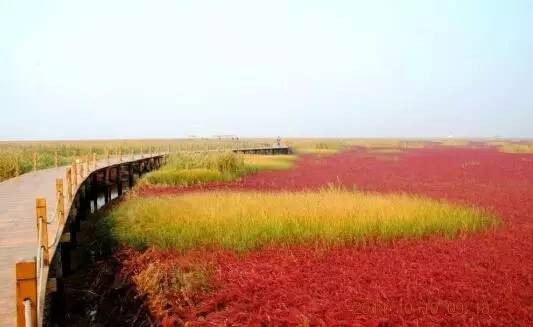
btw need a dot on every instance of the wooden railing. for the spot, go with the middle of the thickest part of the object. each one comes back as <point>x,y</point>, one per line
<point>32,280</point>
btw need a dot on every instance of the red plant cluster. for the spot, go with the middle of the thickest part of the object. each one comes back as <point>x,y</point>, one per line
<point>484,279</point>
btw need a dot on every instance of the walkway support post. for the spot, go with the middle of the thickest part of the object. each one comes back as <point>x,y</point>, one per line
<point>107,193</point>
<point>94,191</point>
<point>130,176</point>
<point>26,275</point>
<point>73,227</point>
<point>119,180</point>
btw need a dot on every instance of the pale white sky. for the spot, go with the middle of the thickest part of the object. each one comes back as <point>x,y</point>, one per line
<point>139,69</point>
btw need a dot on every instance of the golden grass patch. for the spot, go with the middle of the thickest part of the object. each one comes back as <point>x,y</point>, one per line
<point>186,169</point>
<point>268,162</point>
<point>250,220</point>
<point>516,148</point>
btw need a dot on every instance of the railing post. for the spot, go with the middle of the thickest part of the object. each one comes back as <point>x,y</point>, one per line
<point>42,227</point>
<point>130,176</point>
<point>26,276</point>
<point>119,180</point>
<point>80,176</point>
<point>78,172</point>
<point>69,184</point>
<point>60,202</point>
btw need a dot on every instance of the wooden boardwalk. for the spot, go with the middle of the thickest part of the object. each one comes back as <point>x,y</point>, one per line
<point>274,149</point>
<point>18,222</point>
<point>18,229</point>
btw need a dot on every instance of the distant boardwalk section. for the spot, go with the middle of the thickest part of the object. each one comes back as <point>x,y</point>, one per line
<point>275,149</point>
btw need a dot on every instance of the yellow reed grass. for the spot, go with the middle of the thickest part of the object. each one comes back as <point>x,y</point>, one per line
<point>250,220</point>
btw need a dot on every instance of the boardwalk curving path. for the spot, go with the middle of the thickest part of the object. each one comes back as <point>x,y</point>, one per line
<point>18,229</point>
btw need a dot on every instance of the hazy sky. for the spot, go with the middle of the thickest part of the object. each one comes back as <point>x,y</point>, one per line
<point>127,69</point>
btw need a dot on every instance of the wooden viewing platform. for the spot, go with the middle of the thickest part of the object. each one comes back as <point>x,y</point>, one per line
<point>18,221</point>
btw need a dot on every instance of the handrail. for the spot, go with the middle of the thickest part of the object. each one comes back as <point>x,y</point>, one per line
<point>32,276</point>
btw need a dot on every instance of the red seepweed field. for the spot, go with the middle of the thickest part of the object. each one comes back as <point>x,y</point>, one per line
<point>480,279</point>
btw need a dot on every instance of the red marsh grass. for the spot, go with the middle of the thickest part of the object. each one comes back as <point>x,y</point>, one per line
<point>481,279</point>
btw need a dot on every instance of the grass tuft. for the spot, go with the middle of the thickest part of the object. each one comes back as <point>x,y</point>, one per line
<point>172,284</point>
